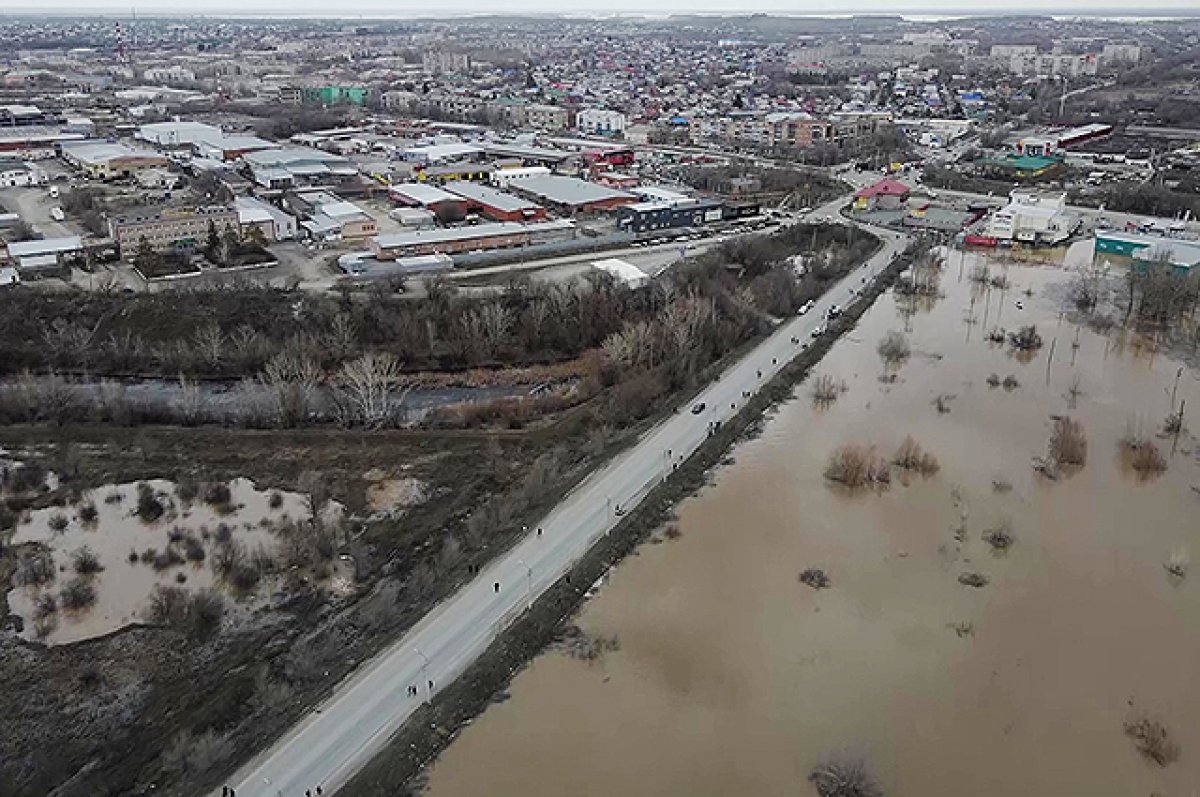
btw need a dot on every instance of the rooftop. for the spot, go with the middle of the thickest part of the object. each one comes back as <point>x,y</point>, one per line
<point>1022,162</point>
<point>422,193</point>
<point>525,151</point>
<point>95,152</point>
<point>291,157</point>
<point>491,197</point>
<point>45,246</point>
<point>402,239</point>
<point>885,187</point>
<point>567,190</point>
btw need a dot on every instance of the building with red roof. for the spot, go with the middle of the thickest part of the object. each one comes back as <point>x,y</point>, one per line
<point>887,194</point>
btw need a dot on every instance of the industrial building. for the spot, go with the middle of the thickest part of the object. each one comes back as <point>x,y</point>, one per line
<point>623,271</point>
<point>434,154</point>
<point>422,195</point>
<point>500,177</point>
<point>288,167</point>
<point>527,154</point>
<point>275,224</point>
<point>1140,251</point>
<point>452,172</point>
<point>645,216</point>
<point>329,217</point>
<point>496,205</point>
<point>169,228</point>
<point>34,258</point>
<point>35,141</point>
<point>1058,141</point>
<point>100,160</point>
<point>570,196</point>
<point>17,173</point>
<point>497,235</point>
<point>1033,218</point>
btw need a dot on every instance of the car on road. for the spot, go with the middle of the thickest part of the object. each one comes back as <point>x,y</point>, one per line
<point>804,308</point>
<point>818,331</point>
<point>698,408</point>
<point>833,312</point>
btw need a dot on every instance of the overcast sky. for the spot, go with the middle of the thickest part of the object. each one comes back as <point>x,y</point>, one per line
<point>409,8</point>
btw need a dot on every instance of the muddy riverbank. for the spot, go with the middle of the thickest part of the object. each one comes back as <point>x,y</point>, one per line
<point>732,676</point>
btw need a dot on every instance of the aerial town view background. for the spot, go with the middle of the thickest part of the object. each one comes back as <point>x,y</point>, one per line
<point>533,405</point>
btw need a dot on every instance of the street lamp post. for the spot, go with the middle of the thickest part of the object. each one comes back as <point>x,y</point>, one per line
<point>529,584</point>
<point>425,675</point>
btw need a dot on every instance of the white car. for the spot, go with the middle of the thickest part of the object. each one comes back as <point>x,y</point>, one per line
<point>804,308</point>
<point>818,331</point>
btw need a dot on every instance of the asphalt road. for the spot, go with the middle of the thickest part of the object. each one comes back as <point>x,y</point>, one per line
<point>33,206</point>
<point>342,735</point>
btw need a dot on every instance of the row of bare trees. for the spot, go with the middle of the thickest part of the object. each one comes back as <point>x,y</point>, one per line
<point>291,391</point>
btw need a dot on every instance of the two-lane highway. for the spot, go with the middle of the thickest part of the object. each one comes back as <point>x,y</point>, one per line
<point>342,735</point>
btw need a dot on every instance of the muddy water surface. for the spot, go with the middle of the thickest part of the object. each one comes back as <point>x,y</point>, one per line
<point>123,588</point>
<point>732,677</point>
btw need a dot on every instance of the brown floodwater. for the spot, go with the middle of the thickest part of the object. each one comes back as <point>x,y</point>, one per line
<point>732,677</point>
<point>124,588</point>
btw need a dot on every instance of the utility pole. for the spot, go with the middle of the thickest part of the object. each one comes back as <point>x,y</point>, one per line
<point>529,586</point>
<point>425,675</point>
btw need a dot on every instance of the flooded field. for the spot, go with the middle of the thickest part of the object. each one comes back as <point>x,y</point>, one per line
<point>985,629</point>
<point>120,542</point>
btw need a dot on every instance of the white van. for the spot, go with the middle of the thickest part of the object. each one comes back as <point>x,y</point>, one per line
<point>57,214</point>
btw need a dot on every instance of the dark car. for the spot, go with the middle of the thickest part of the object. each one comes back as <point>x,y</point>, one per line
<point>698,408</point>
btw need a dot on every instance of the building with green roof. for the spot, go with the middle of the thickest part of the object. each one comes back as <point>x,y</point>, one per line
<point>1021,167</point>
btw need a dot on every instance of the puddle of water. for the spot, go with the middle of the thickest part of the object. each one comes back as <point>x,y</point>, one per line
<point>732,677</point>
<point>117,535</point>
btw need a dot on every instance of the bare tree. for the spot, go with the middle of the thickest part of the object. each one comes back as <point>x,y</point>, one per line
<point>191,401</point>
<point>210,343</point>
<point>634,345</point>
<point>367,384</point>
<point>292,380</point>
<point>341,339</point>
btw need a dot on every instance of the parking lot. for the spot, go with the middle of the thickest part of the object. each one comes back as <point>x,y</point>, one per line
<point>33,205</point>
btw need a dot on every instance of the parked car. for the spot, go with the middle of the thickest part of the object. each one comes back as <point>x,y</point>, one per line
<point>833,312</point>
<point>804,308</point>
<point>818,331</point>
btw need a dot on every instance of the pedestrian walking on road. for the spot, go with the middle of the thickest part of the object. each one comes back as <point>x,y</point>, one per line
<point>308,793</point>
<point>496,586</point>
<point>431,686</point>
<point>539,531</point>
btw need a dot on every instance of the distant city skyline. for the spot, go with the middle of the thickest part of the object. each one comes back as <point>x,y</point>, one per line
<point>388,9</point>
